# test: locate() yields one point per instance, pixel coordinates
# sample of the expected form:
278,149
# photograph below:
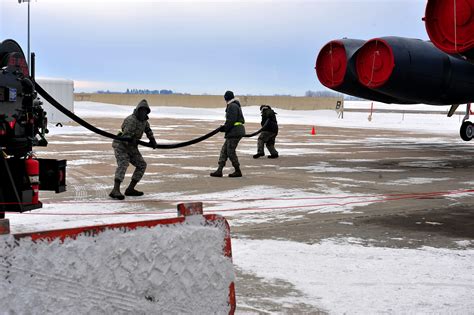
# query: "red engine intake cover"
450,25
375,63
331,64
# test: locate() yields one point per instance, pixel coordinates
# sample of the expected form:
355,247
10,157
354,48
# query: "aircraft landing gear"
467,127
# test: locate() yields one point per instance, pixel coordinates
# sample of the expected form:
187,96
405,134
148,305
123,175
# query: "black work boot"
273,156
115,193
218,172
256,156
236,173
131,189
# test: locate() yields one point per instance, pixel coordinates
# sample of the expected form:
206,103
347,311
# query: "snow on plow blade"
179,265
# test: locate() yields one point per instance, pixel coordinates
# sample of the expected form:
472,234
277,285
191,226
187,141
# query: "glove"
153,143
222,128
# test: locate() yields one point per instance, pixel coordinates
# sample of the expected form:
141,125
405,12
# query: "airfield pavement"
383,188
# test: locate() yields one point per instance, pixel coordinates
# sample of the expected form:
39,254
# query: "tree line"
139,91
308,93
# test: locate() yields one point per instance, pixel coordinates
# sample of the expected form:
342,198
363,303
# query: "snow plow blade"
178,265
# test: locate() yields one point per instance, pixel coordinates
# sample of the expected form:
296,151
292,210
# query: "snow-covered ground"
343,277
431,123
336,275
247,205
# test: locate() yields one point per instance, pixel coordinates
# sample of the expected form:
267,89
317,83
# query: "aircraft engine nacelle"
415,71
336,69
450,26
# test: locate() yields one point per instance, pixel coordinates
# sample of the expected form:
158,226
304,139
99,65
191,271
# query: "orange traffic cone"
313,131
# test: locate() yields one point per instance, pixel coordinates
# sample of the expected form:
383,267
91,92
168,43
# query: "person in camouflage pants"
234,131
126,152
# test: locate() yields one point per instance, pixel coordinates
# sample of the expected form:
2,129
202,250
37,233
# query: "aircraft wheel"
467,131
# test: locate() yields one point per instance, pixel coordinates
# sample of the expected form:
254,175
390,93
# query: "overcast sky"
252,47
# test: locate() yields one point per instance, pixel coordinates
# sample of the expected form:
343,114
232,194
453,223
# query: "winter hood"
143,104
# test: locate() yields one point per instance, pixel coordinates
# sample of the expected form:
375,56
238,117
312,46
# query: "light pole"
28,56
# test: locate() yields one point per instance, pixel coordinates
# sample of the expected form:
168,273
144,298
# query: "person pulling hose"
268,133
234,131
133,128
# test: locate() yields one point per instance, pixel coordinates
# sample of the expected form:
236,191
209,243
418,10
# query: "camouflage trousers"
126,154
268,138
228,152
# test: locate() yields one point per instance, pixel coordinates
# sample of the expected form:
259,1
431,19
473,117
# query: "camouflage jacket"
134,128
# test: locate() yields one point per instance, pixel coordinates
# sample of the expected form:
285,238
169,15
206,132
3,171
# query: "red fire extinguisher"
32,171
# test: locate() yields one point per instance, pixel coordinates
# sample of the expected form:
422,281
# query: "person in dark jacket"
234,131
268,134
133,128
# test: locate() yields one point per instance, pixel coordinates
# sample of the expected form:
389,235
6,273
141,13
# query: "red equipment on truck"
23,124
32,170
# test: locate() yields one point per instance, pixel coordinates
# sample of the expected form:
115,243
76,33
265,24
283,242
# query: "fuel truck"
23,125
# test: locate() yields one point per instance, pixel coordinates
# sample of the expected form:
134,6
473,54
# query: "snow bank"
170,269
421,118
344,277
404,107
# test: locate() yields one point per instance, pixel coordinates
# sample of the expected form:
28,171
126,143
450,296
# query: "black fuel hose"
106,134
258,131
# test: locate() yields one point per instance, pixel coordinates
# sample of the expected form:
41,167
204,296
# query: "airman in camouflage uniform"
234,131
133,127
